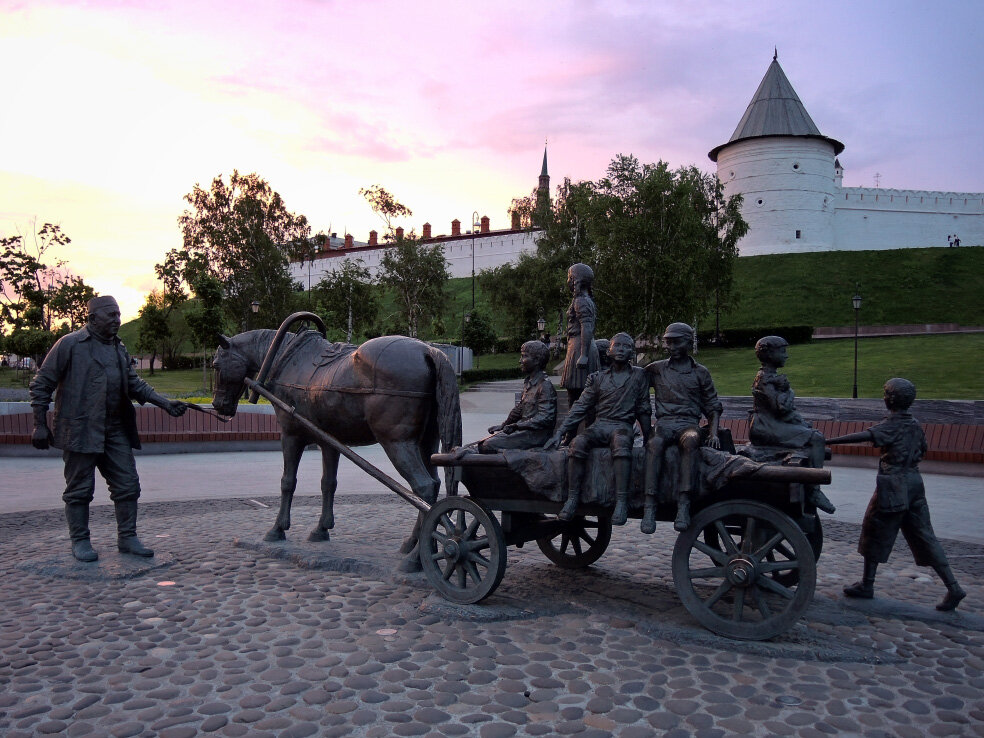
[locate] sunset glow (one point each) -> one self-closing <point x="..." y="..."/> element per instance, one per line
<point x="114" y="111"/>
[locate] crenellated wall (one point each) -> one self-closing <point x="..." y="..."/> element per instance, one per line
<point x="872" y="218"/>
<point x="491" y="250"/>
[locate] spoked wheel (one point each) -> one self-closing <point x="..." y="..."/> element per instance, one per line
<point x="727" y="581"/>
<point x="578" y="542"/>
<point x="786" y="578"/>
<point x="462" y="550"/>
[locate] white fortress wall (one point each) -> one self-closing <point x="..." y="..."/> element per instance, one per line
<point x="788" y="188"/>
<point x="874" y="218"/>
<point x="491" y="250"/>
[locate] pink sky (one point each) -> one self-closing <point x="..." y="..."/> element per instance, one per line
<point x="115" y="110"/>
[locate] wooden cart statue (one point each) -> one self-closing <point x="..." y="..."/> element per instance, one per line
<point x="745" y="568"/>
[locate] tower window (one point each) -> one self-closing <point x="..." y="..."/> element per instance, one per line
<point x="797" y="234"/>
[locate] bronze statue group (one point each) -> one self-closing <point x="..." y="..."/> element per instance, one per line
<point x="89" y="373"/>
<point x="606" y="403"/>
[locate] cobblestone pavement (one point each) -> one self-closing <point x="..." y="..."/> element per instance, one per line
<point x="224" y="635"/>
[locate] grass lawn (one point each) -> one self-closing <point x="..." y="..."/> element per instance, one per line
<point x="944" y="367"/>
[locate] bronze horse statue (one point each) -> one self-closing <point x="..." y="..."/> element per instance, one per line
<point x="393" y="390"/>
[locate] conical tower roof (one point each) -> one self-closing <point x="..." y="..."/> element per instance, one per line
<point x="775" y="110"/>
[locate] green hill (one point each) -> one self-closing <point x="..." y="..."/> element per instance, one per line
<point x="932" y="285"/>
<point x="898" y="287"/>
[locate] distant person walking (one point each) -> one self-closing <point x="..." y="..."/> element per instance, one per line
<point x="949" y="240"/>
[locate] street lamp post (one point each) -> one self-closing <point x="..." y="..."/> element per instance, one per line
<point x="856" y="300"/>
<point x="541" y="326"/>
<point x="255" y="307"/>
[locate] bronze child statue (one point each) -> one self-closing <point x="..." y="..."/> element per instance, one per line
<point x="684" y="392"/>
<point x="94" y="423"/>
<point x="531" y="422"/>
<point x="775" y="421"/>
<point x="899" y="501"/>
<point x="582" y="354"/>
<point x="618" y="396"/>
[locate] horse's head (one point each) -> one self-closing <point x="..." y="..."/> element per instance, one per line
<point x="231" y="369"/>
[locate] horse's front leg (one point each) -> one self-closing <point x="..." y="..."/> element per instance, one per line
<point x="293" y="447"/>
<point x="329" y="482"/>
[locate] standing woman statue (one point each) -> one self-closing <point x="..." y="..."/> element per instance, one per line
<point x="582" y="354"/>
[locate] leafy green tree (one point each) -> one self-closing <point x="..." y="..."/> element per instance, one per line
<point x="154" y="327"/>
<point x="662" y="244"/>
<point x="205" y="317"/>
<point x="242" y="233"/>
<point x="36" y="292"/>
<point x="417" y="273"/>
<point x="347" y="299"/>
<point x="535" y="286"/>
<point x="478" y="333"/>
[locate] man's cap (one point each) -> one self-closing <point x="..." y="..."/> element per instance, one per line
<point x="102" y="301"/>
<point x="679" y="330"/>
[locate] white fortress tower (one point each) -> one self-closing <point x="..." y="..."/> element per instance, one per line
<point x="782" y="165"/>
<point x="795" y="199"/>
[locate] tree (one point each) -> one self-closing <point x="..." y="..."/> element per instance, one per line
<point x="36" y="293"/>
<point x="662" y="244"/>
<point x="535" y="286"/>
<point x="417" y="273"/>
<point x="478" y="333"/>
<point x="242" y="234"/>
<point x="346" y="298"/>
<point x="154" y="328"/>
<point x="205" y="318"/>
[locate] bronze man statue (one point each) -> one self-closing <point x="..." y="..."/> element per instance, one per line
<point x="531" y="422"/>
<point x="684" y="392"/>
<point x="95" y="425"/>
<point x="775" y="420"/>
<point x="899" y="501"/>
<point x="618" y="396"/>
<point x="582" y="354"/>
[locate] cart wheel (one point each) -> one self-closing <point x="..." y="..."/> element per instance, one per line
<point x="726" y="581"/>
<point x="786" y="578"/>
<point x="578" y="543"/>
<point x="463" y="551"/>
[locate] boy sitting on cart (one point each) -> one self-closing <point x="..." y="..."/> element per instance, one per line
<point x="684" y="392"/>
<point x="530" y="423"/>
<point x="618" y="396"/>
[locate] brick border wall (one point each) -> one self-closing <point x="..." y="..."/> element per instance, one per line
<point x="156" y="426"/>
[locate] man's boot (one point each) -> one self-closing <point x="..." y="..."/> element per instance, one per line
<point x="77" y="515"/>
<point x="648" y="524"/>
<point x="575" y="473"/>
<point x="623" y="470"/>
<point x="126" y="527"/>
<point x="954" y="592"/>
<point x="865" y="589"/>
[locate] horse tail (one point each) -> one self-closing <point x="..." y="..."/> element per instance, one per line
<point x="448" y="411"/>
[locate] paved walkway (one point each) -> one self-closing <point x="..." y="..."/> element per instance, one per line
<point x="223" y="634"/>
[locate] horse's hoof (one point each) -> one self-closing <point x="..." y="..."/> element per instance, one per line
<point x="410" y="566"/>
<point x="275" y="535"/>
<point x="319" y="534"/>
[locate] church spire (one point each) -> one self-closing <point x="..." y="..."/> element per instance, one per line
<point x="543" y="193"/>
